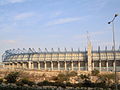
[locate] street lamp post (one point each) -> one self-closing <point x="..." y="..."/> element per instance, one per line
<point x="113" y="31"/>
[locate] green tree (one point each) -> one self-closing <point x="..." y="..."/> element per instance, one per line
<point x="1" y="80"/>
<point x="27" y="81"/>
<point x="106" y="78"/>
<point x="72" y="74"/>
<point x="12" y="77"/>
<point x="84" y="77"/>
<point x="61" y="77"/>
<point x="95" y="72"/>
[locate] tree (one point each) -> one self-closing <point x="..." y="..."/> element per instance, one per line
<point x="84" y="77"/>
<point x="27" y="81"/>
<point x="106" y="78"/>
<point x="95" y="72"/>
<point x="72" y="74"/>
<point x="12" y="77"/>
<point x="1" y="80"/>
<point x="61" y="77"/>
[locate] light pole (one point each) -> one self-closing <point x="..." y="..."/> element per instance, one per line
<point x="113" y="31"/>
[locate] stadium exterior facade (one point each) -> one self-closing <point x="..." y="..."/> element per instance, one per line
<point x="68" y="60"/>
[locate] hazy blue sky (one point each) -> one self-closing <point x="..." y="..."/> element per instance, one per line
<point x="57" y="23"/>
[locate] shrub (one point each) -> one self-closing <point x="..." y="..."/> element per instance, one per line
<point x="84" y="77"/>
<point x="19" y="83"/>
<point x="12" y="77"/>
<point x="44" y="83"/>
<point x="1" y="80"/>
<point x="106" y="78"/>
<point x="87" y="83"/>
<point x="69" y="84"/>
<point x="26" y="81"/>
<point x="95" y="72"/>
<point x="72" y="74"/>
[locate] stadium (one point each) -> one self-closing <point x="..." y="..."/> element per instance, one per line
<point x="88" y="60"/>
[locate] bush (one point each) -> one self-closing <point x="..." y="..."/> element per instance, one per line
<point x="12" y="77"/>
<point x="72" y="74"/>
<point x="61" y="78"/>
<point x="26" y="81"/>
<point x="69" y="84"/>
<point x="45" y="83"/>
<point x="84" y="77"/>
<point x="108" y="79"/>
<point x="19" y="83"/>
<point x="1" y="80"/>
<point x="87" y="83"/>
<point x="95" y="72"/>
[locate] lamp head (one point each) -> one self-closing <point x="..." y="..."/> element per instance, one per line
<point x="116" y="15"/>
<point x="109" y="22"/>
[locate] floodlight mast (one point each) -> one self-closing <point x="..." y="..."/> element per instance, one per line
<point x="113" y="32"/>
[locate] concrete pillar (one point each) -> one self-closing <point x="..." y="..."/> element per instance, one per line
<point x="65" y="66"/>
<point x="72" y="65"/>
<point x="10" y="65"/>
<point x="79" y="65"/>
<point x="51" y="65"/>
<point x="4" y="66"/>
<point x="58" y="65"/>
<point x="29" y="65"/>
<point x="107" y="65"/>
<point x="13" y="66"/>
<point x="100" y="66"/>
<point x="45" y="65"/>
<point x="32" y="65"/>
<point x="114" y="65"/>
<point x="89" y="53"/>
<point x="93" y="65"/>
<point x="39" y="65"/>
<point x="17" y="65"/>
<point x="20" y="65"/>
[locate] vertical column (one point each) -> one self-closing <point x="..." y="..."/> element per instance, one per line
<point x="45" y="65"/>
<point x="29" y="64"/>
<point x="72" y="65"/>
<point x="58" y="65"/>
<point x="10" y="65"/>
<point x="23" y="65"/>
<point x="107" y="65"/>
<point x="89" y="55"/>
<point x="65" y="65"/>
<point x="93" y="65"/>
<point x="13" y="66"/>
<point x="114" y="65"/>
<point x="100" y="65"/>
<point x="18" y="65"/>
<point x="51" y="65"/>
<point x="79" y="65"/>
<point x="39" y="65"/>
<point x="7" y="65"/>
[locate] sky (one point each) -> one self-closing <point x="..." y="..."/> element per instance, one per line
<point x="58" y="24"/>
